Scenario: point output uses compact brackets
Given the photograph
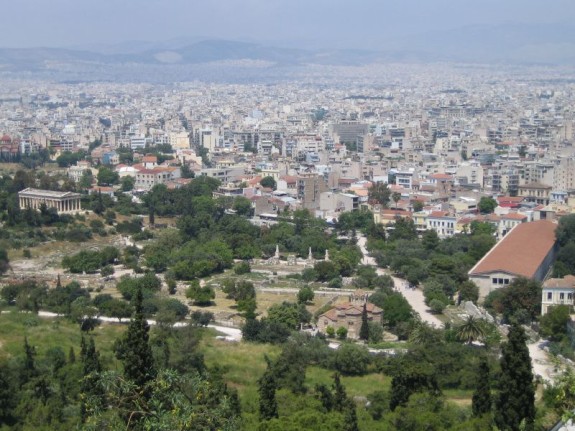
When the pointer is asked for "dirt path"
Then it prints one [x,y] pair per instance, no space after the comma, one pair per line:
[413,296]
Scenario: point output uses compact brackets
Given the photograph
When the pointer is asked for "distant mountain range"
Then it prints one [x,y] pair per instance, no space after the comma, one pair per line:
[513,43]
[205,51]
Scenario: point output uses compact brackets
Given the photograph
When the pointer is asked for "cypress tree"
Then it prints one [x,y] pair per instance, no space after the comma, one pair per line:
[90,383]
[516,400]
[267,392]
[364,329]
[71,356]
[350,418]
[136,353]
[28,368]
[481,400]
[340,400]
[323,393]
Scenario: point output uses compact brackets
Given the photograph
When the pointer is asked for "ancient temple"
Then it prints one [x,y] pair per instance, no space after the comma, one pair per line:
[64,202]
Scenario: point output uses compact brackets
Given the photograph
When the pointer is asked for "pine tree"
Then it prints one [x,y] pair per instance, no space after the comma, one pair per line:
[516,401]
[364,329]
[481,400]
[135,351]
[267,392]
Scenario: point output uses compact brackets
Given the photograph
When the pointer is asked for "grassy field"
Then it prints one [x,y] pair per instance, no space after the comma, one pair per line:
[45,333]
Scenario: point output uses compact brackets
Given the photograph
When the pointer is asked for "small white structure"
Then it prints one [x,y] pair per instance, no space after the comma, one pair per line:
[557,291]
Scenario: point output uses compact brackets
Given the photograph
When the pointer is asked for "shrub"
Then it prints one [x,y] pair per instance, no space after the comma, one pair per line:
[437,306]
[107,270]
[341,332]
[242,268]
[351,359]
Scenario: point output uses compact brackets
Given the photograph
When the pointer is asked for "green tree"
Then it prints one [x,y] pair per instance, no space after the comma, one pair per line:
[86,179]
[481,399]
[351,359]
[409,379]
[91,368]
[565,262]
[430,239]
[200,295]
[289,314]
[554,324]
[305,295]
[268,182]
[4,262]
[364,329]
[325,270]
[565,232]
[134,350]
[379,193]
[563,392]
[396,197]
[341,332]
[515,404]
[267,386]
[127,183]
[521,295]
[486,205]
[470,330]
[417,206]
[107,177]
[468,291]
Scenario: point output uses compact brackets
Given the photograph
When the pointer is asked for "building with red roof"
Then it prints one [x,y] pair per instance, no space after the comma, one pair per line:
[348,315]
[528,250]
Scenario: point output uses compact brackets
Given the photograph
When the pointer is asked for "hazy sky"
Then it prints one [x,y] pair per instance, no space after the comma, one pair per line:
[339,23]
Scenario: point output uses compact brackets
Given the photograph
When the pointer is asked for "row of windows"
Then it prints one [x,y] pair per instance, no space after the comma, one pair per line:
[495,280]
[434,223]
[561,296]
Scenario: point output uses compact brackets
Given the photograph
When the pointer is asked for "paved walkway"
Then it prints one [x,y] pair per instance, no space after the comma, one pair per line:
[542,366]
[232,334]
[413,296]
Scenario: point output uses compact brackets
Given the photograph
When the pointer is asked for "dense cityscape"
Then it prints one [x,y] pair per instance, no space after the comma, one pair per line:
[233,236]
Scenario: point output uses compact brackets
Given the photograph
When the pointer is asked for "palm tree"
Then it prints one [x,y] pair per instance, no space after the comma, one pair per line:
[396,196]
[424,333]
[470,330]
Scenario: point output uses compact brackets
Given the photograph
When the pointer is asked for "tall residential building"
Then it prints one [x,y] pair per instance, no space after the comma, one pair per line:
[309,189]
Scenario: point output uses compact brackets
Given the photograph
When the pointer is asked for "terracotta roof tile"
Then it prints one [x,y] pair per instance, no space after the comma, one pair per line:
[521,251]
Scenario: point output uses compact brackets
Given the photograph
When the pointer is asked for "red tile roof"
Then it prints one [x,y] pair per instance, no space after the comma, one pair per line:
[521,251]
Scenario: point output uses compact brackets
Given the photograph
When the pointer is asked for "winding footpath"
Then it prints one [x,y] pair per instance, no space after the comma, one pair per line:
[540,362]
[231,334]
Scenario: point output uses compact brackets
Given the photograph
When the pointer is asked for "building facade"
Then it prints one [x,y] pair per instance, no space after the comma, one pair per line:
[64,202]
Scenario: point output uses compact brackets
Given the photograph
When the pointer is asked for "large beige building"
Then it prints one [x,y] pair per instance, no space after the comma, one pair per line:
[528,250]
